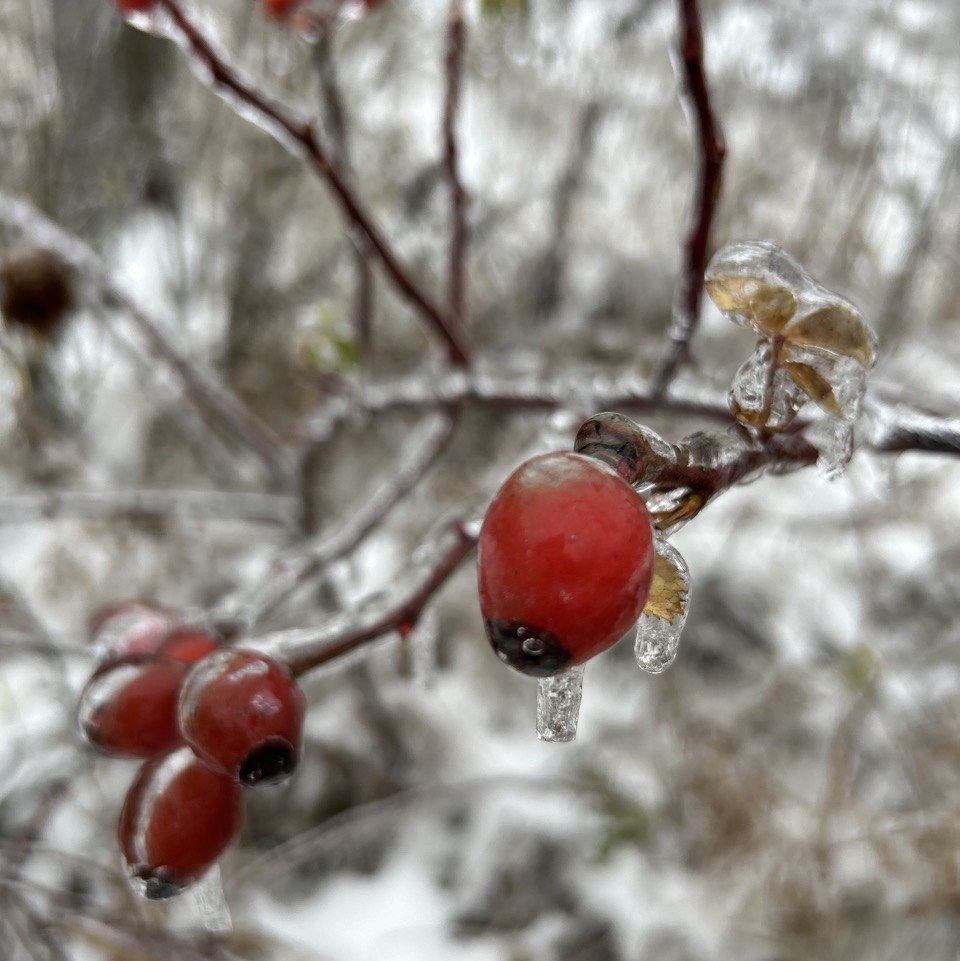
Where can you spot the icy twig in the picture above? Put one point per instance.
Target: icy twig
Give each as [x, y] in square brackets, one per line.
[895, 426]
[459, 238]
[300, 137]
[712, 151]
[345, 539]
[305, 650]
[622, 390]
[218, 404]
[335, 114]
[255, 508]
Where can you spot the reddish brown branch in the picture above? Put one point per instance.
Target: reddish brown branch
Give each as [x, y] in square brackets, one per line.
[348, 537]
[287, 128]
[402, 613]
[459, 240]
[712, 151]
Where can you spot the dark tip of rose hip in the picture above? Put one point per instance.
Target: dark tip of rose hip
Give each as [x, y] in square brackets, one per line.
[272, 761]
[158, 885]
[527, 649]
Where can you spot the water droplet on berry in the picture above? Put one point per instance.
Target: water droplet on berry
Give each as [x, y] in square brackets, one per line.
[532, 646]
[558, 705]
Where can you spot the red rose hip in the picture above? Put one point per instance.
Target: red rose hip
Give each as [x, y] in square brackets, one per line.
[134, 6]
[177, 819]
[134, 626]
[566, 559]
[242, 713]
[129, 706]
[188, 645]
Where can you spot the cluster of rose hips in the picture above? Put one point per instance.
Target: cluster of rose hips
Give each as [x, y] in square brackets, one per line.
[566, 561]
[207, 719]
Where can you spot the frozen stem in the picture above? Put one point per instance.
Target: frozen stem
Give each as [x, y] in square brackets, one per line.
[711, 153]
[300, 138]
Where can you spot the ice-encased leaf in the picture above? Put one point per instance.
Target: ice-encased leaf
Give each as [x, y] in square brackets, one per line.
[558, 705]
[756, 283]
[765, 307]
[663, 618]
[846, 379]
[762, 396]
[837, 327]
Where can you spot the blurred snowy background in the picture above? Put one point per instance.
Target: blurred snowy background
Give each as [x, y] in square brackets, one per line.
[790, 789]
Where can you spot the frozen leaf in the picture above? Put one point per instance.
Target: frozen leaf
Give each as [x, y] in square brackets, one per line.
[815, 386]
[668, 591]
[838, 328]
[558, 705]
[765, 307]
[660, 625]
[764, 396]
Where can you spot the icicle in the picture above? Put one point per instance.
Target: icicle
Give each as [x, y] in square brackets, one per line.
[660, 625]
[206, 902]
[558, 705]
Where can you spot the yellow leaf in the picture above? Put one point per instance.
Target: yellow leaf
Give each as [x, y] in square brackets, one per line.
[838, 328]
[814, 385]
[767, 306]
[668, 593]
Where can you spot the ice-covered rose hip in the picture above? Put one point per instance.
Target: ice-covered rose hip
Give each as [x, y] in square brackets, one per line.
[188, 645]
[129, 706]
[242, 713]
[177, 819]
[566, 559]
[132, 626]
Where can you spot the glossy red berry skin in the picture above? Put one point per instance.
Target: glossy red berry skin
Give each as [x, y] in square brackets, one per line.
[188, 645]
[129, 627]
[135, 6]
[279, 9]
[177, 819]
[242, 713]
[129, 706]
[565, 563]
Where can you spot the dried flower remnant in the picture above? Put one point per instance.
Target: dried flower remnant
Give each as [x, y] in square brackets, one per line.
[813, 346]
[661, 623]
[36, 291]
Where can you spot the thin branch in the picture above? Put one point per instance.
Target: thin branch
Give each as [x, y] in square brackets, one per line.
[305, 650]
[712, 151]
[459, 239]
[92, 505]
[300, 137]
[336, 118]
[347, 538]
[220, 407]
[621, 390]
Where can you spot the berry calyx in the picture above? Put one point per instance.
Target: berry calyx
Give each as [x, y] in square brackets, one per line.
[177, 819]
[242, 713]
[566, 558]
[129, 706]
[188, 645]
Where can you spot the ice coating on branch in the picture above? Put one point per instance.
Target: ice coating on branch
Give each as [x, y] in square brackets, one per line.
[558, 705]
[635, 452]
[659, 628]
[814, 346]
